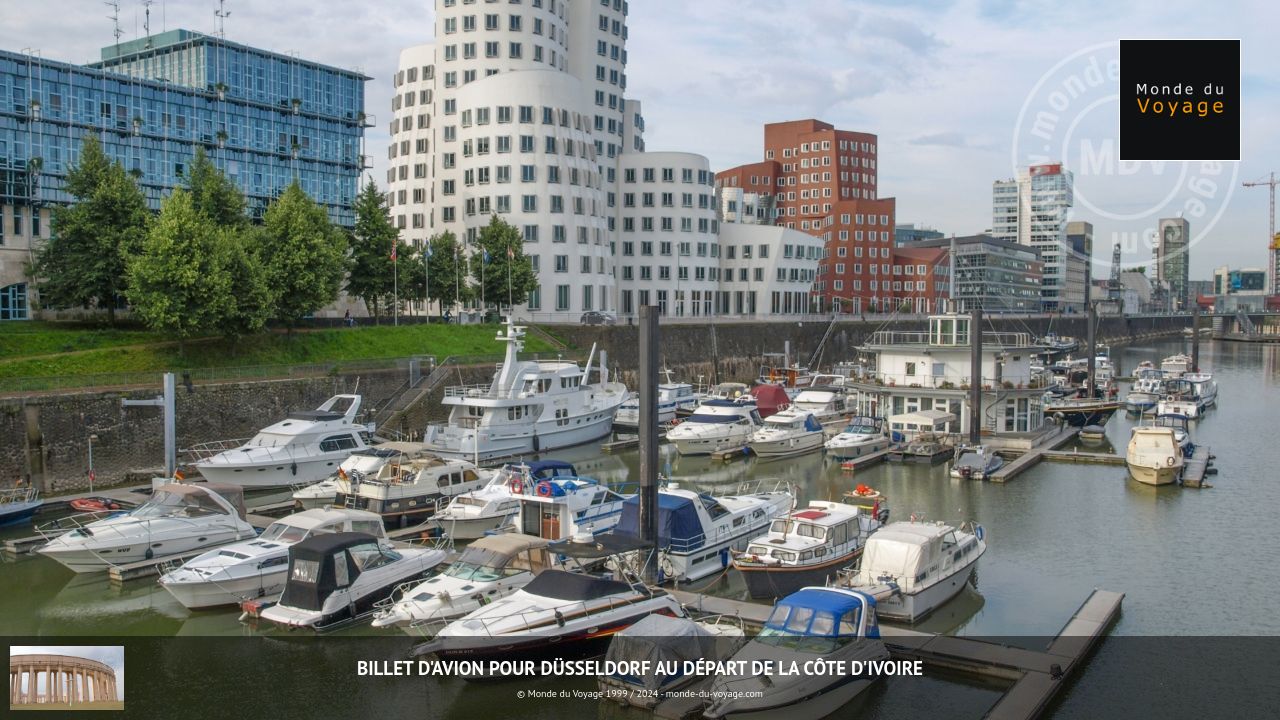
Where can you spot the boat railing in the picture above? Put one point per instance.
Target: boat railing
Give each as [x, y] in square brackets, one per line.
[205, 450]
[81, 521]
[479, 390]
[19, 495]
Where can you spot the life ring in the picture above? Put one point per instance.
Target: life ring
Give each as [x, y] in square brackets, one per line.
[864, 491]
[1170, 398]
[516, 484]
[543, 489]
[1171, 460]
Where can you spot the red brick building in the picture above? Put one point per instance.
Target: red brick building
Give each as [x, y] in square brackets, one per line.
[823, 181]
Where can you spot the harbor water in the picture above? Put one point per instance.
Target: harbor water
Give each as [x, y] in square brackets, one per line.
[1054, 533]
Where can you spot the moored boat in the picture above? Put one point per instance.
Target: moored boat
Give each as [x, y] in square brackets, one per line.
[862, 436]
[790, 432]
[975, 462]
[1153, 456]
[715, 426]
[18, 504]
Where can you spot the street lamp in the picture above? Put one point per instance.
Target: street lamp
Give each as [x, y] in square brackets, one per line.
[92, 437]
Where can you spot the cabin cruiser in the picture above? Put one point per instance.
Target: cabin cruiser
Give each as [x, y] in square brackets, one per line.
[473, 514]
[715, 426]
[555, 503]
[1145, 392]
[729, 391]
[1080, 411]
[335, 578]
[558, 614]
[862, 436]
[1058, 345]
[1203, 387]
[790, 432]
[697, 532]
[412, 491]
[305, 447]
[828, 403]
[361, 464]
[806, 547]
[1153, 456]
[834, 625]
[792, 378]
[975, 462]
[18, 504]
[1181, 431]
[1175, 365]
[179, 518]
[673, 399]
[666, 644]
[488, 569]
[531, 406]
[912, 568]
[258, 567]
[1181, 397]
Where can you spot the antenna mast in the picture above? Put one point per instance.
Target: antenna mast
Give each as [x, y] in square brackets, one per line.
[146, 20]
[223, 13]
[114, 17]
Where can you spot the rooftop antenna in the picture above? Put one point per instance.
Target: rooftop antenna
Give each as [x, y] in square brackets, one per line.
[223, 13]
[146, 20]
[114, 17]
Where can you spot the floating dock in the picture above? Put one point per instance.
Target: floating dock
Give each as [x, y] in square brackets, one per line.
[1197, 467]
[1036, 676]
[626, 443]
[1031, 457]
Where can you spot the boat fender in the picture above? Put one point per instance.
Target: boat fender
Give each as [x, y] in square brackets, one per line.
[293, 467]
[979, 532]
[148, 554]
[724, 557]
[559, 618]
[536, 444]
[1170, 460]
[544, 489]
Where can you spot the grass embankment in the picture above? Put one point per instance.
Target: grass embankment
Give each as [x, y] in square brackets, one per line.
[46, 350]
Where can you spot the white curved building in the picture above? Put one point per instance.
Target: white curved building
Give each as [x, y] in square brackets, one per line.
[411, 167]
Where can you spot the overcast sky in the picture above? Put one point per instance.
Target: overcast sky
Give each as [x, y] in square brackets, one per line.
[112, 655]
[942, 82]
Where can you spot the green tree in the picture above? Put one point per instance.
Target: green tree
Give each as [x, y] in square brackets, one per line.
[178, 282]
[371, 273]
[252, 300]
[213, 194]
[303, 253]
[504, 246]
[447, 270]
[84, 262]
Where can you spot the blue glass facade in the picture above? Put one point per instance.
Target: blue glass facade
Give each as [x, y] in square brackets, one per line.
[264, 118]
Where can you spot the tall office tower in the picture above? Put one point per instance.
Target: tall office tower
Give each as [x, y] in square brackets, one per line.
[1173, 260]
[1033, 209]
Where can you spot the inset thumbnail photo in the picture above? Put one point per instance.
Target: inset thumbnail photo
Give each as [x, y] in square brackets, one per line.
[66, 677]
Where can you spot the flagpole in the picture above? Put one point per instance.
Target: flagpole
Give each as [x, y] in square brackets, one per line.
[510, 259]
[395, 270]
[483, 262]
[426, 278]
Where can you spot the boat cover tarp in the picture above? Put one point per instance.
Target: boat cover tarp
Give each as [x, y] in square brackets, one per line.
[671, 641]
[891, 554]
[811, 423]
[562, 585]
[677, 519]
[819, 611]
[312, 568]
[543, 469]
[770, 398]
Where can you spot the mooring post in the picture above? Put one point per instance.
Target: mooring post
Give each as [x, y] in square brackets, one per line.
[648, 377]
[975, 370]
[170, 427]
[1092, 319]
[1195, 337]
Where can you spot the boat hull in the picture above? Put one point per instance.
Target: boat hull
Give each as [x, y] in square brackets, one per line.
[97, 558]
[232, 591]
[13, 514]
[1079, 417]
[848, 452]
[768, 582]
[1155, 475]
[787, 446]
[578, 643]
[277, 473]
[470, 528]
[548, 438]
[910, 608]
[708, 444]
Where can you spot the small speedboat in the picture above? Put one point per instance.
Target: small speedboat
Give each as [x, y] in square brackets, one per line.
[336, 578]
[813, 624]
[862, 436]
[975, 462]
[94, 504]
[179, 518]
[18, 504]
[790, 432]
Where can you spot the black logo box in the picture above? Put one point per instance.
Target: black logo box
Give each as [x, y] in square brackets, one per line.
[1205, 73]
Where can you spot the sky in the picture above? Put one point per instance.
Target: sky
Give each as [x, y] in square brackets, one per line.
[950, 87]
[112, 655]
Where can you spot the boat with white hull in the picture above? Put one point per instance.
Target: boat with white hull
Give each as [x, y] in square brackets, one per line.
[1154, 456]
[912, 568]
[305, 447]
[715, 426]
[673, 399]
[410, 491]
[259, 567]
[790, 432]
[975, 462]
[531, 406]
[473, 514]
[179, 518]
[555, 503]
[828, 402]
[1145, 392]
[362, 463]
[862, 436]
[697, 533]
[488, 569]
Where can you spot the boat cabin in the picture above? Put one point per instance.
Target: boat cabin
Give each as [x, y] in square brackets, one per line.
[830, 617]
[914, 555]
[909, 426]
[324, 564]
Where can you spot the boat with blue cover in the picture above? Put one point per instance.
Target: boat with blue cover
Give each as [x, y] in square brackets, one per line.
[18, 504]
[811, 624]
[555, 503]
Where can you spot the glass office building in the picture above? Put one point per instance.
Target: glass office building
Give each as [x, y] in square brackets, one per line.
[264, 118]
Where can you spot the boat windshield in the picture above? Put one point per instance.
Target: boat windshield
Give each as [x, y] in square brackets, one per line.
[481, 565]
[709, 419]
[283, 532]
[802, 529]
[861, 429]
[167, 504]
[805, 629]
[266, 439]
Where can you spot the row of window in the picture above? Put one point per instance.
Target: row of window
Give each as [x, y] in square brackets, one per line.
[667, 224]
[649, 175]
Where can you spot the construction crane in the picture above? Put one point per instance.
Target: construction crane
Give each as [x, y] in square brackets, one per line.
[1273, 247]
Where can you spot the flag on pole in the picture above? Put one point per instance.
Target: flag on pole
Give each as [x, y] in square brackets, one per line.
[511, 254]
[428, 250]
[393, 253]
[486, 257]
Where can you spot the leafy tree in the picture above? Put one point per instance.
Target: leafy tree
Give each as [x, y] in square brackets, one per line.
[252, 301]
[371, 274]
[213, 194]
[304, 255]
[178, 282]
[447, 269]
[84, 262]
[504, 246]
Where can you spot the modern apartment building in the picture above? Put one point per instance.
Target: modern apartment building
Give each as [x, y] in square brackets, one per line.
[1173, 260]
[264, 118]
[1032, 209]
[823, 181]
[992, 274]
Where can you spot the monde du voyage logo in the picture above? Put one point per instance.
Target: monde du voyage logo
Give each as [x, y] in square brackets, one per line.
[1180, 99]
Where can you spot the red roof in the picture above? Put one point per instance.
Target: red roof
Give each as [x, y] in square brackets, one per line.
[810, 514]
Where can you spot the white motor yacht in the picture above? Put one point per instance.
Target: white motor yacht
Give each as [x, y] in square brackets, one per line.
[1203, 387]
[531, 406]
[1153, 456]
[912, 568]
[305, 447]
[833, 625]
[258, 567]
[862, 436]
[179, 518]
[789, 432]
[806, 547]
[490, 568]
[697, 533]
[473, 514]
[558, 614]
[975, 462]
[362, 463]
[336, 578]
[1145, 392]
[829, 403]
[408, 492]
[715, 426]
[555, 503]
[673, 398]
[1175, 365]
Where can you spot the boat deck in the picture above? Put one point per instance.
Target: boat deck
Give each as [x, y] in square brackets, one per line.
[1036, 676]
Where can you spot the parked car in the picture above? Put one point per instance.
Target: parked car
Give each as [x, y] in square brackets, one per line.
[598, 317]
